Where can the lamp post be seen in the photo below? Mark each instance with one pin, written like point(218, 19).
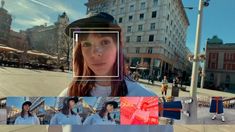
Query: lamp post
point(203, 74)
point(195, 59)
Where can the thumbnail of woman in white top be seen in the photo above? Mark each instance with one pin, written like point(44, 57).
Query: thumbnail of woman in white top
point(67, 116)
point(103, 116)
point(26, 117)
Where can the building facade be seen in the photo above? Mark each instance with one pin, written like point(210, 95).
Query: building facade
point(49, 39)
point(5, 24)
point(220, 65)
point(18, 40)
point(154, 30)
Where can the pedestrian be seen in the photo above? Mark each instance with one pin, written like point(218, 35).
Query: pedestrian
point(176, 82)
point(164, 86)
point(67, 116)
point(26, 117)
point(103, 116)
point(95, 60)
point(151, 78)
point(217, 107)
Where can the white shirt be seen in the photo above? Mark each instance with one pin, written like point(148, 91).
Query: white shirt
point(62, 119)
point(101, 90)
point(134, 89)
point(27, 120)
point(95, 119)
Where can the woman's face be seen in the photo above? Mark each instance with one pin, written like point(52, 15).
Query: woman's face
point(71, 104)
point(99, 54)
point(109, 108)
point(26, 108)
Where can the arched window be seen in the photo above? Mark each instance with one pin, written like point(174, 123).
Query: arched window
point(227, 80)
point(212, 77)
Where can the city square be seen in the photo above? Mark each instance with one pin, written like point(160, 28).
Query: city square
point(26, 82)
point(180, 51)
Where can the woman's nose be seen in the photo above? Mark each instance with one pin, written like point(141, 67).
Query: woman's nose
point(97, 50)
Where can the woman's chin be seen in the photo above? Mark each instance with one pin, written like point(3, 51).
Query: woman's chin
point(102, 73)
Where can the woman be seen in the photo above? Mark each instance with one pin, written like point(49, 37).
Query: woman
point(164, 86)
point(26, 118)
point(103, 117)
point(97, 55)
point(66, 115)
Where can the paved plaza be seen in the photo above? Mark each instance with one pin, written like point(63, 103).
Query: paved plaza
point(27, 82)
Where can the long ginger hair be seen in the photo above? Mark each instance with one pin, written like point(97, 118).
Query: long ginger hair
point(81, 86)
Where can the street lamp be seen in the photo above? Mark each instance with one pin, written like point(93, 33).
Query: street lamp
point(195, 59)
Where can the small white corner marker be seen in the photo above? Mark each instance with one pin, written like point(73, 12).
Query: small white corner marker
point(76, 37)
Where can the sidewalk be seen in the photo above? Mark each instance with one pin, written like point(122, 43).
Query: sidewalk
point(200, 92)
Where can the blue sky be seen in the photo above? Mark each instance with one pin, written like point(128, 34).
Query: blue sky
point(15, 101)
point(90, 100)
point(50, 101)
point(28, 13)
point(218, 18)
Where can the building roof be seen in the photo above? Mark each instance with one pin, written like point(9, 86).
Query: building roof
point(214, 40)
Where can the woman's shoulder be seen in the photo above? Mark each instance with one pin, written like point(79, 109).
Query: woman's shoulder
point(137, 89)
point(34, 116)
point(18, 118)
point(94, 115)
point(134, 89)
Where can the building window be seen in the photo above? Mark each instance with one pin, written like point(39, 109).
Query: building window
point(165, 40)
point(140, 27)
point(138, 39)
point(167, 17)
point(122, 1)
point(137, 50)
point(131, 8)
point(113, 11)
point(212, 77)
point(129, 29)
point(166, 28)
point(130, 18)
point(155, 3)
point(227, 80)
point(142, 5)
point(152, 26)
point(154, 14)
point(128, 39)
point(120, 20)
point(122, 10)
point(150, 50)
point(141, 16)
point(151, 38)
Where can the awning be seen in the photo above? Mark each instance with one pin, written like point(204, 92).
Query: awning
point(6, 48)
point(38, 53)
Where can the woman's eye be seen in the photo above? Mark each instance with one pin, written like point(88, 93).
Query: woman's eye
point(105, 42)
point(86, 44)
